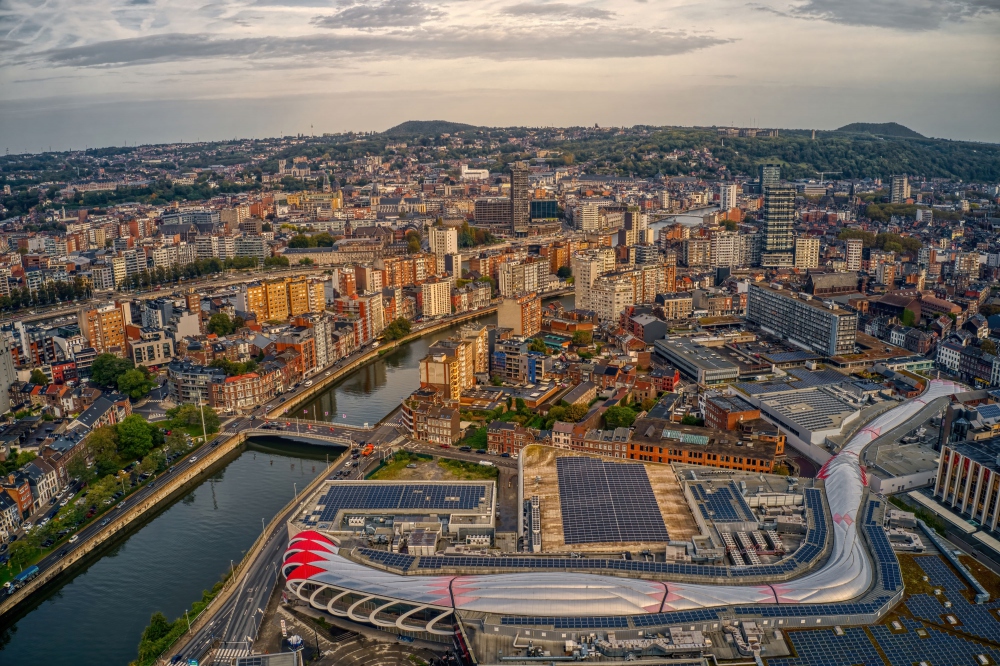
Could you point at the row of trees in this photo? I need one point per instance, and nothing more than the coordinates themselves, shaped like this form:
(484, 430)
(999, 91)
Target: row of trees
(196, 269)
(47, 294)
(884, 241)
(322, 239)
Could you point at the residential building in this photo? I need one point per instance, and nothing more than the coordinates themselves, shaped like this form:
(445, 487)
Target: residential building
(807, 252)
(520, 195)
(779, 223)
(435, 298)
(443, 241)
(819, 325)
(522, 314)
(899, 189)
(855, 246)
(103, 327)
(610, 296)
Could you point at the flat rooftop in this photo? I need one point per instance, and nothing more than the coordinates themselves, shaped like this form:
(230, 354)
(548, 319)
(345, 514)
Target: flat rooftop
(328, 506)
(604, 493)
(905, 459)
(803, 297)
(811, 408)
(707, 358)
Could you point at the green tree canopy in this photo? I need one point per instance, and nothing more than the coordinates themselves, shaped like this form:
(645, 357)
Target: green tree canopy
(107, 368)
(583, 338)
(398, 328)
(619, 417)
(134, 437)
(988, 346)
(39, 377)
(276, 261)
(102, 448)
(136, 383)
(220, 324)
(564, 272)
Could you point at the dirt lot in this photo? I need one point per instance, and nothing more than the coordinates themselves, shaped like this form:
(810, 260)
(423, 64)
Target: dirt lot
(540, 478)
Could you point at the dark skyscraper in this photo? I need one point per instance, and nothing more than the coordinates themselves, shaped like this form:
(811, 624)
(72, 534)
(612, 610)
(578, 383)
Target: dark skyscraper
(779, 225)
(768, 175)
(520, 199)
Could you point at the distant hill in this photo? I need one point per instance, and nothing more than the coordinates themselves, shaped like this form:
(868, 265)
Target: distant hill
(882, 129)
(426, 127)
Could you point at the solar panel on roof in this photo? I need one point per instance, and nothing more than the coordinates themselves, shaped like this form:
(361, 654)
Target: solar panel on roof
(605, 502)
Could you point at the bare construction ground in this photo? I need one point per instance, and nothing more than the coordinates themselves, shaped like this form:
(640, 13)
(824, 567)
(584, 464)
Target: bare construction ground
(540, 478)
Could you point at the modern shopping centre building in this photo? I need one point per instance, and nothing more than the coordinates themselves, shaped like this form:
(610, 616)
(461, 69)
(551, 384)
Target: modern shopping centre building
(609, 556)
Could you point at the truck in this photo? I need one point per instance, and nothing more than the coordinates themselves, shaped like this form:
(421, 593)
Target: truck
(21, 579)
(367, 451)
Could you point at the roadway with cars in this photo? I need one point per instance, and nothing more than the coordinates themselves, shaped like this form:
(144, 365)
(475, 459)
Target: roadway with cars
(237, 621)
(106, 520)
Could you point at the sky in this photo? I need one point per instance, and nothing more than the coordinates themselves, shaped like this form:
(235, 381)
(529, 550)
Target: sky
(86, 73)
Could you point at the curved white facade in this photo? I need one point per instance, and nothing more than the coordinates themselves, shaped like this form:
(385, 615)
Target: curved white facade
(847, 574)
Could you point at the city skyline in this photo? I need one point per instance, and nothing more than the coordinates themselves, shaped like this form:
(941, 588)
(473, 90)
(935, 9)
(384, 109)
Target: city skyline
(146, 72)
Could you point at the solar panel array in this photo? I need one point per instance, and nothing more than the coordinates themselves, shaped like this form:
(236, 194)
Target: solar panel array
(400, 561)
(825, 648)
(991, 411)
(409, 497)
(807, 378)
(888, 565)
(723, 505)
(610, 622)
(976, 619)
(565, 563)
(604, 502)
(813, 410)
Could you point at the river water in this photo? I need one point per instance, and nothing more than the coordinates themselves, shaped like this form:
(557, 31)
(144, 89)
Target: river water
(96, 618)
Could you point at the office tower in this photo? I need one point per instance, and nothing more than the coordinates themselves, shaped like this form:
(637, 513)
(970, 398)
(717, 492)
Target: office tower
(768, 175)
(443, 241)
(899, 189)
(807, 253)
(854, 248)
(821, 326)
(727, 197)
(779, 220)
(520, 195)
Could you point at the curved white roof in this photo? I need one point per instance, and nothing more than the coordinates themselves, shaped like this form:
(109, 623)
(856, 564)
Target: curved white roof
(846, 575)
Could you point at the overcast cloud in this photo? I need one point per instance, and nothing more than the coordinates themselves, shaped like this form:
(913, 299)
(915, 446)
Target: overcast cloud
(800, 63)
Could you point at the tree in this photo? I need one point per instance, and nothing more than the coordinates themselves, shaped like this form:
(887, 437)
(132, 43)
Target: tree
(398, 328)
(538, 345)
(564, 272)
(305, 261)
(39, 377)
(619, 417)
(220, 324)
(107, 368)
(102, 448)
(575, 412)
(582, 338)
(648, 404)
(276, 261)
(77, 469)
(134, 437)
(908, 318)
(153, 462)
(988, 346)
(692, 420)
(299, 241)
(136, 383)
(176, 442)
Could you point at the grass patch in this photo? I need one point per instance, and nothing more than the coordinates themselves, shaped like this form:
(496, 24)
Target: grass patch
(417, 661)
(985, 576)
(392, 468)
(913, 576)
(468, 471)
(933, 521)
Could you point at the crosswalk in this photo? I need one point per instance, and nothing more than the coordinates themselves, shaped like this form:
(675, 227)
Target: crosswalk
(225, 656)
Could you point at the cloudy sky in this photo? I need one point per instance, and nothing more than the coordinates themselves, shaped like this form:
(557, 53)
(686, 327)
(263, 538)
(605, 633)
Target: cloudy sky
(78, 73)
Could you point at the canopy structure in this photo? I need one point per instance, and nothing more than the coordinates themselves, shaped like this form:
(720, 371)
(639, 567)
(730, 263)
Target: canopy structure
(313, 564)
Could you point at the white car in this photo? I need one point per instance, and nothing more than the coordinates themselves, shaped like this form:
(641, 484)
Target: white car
(193, 458)
(74, 538)
(27, 526)
(64, 502)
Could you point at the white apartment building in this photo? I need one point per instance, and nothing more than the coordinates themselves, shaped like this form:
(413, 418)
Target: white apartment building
(854, 247)
(443, 241)
(609, 296)
(949, 357)
(436, 297)
(519, 278)
(727, 197)
(587, 267)
(725, 249)
(807, 252)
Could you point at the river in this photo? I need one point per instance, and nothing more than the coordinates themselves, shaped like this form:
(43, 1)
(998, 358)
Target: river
(96, 617)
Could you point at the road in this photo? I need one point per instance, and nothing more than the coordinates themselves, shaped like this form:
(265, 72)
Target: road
(236, 621)
(98, 525)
